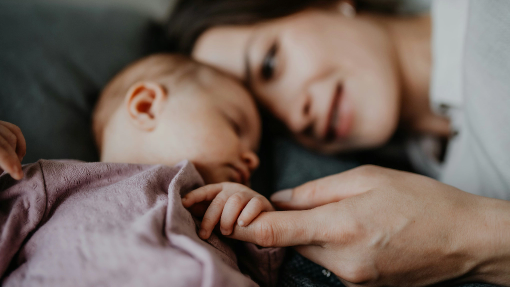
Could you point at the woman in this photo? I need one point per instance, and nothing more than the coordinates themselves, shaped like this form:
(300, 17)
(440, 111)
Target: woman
(340, 81)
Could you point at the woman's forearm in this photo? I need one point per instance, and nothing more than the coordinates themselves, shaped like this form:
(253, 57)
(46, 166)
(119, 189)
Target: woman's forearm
(492, 243)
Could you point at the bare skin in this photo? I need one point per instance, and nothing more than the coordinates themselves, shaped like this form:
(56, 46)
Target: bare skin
(370, 226)
(412, 43)
(338, 83)
(12, 149)
(229, 204)
(373, 226)
(208, 119)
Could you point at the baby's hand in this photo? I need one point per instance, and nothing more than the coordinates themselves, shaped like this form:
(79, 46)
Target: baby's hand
(231, 202)
(12, 149)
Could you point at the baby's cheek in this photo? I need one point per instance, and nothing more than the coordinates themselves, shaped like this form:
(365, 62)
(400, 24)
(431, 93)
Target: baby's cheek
(206, 172)
(215, 154)
(211, 172)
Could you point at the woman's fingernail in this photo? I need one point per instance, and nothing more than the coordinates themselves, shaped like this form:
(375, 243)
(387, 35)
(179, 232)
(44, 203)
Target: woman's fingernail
(241, 223)
(282, 196)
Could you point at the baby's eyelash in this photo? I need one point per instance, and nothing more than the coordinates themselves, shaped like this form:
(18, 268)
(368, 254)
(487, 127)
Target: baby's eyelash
(235, 126)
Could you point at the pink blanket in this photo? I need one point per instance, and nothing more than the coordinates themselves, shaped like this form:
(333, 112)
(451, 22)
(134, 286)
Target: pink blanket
(71, 223)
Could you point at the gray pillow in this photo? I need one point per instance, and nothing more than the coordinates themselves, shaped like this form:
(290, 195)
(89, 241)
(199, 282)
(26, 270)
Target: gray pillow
(54, 60)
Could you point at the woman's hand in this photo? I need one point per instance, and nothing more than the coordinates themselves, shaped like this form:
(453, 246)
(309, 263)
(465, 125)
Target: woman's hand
(12, 149)
(376, 226)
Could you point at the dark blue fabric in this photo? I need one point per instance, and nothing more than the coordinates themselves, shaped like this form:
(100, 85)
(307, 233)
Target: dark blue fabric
(299, 271)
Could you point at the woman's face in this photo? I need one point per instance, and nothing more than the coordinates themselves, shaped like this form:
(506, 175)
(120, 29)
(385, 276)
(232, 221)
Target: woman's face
(331, 79)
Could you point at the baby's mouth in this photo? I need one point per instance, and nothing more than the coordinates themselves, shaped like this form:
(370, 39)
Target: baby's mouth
(240, 175)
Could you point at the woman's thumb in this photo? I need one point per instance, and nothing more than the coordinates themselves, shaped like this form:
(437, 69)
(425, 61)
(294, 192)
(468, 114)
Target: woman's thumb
(318, 192)
(306, 196)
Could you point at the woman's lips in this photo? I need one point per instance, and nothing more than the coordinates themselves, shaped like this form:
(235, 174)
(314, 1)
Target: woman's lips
(346, 118)
(340, 117)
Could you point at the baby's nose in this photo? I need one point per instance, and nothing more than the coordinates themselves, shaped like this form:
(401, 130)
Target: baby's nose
(250, 159)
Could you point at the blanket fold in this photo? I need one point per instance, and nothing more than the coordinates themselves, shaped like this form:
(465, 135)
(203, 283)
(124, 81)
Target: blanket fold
(70, 223)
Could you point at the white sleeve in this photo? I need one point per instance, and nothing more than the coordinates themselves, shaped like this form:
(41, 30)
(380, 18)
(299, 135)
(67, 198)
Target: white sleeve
(471, 85)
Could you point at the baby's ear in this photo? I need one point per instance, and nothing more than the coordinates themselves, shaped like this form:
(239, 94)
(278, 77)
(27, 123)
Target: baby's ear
(145, 102)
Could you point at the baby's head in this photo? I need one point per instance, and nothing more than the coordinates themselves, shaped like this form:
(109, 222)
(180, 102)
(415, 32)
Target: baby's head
(166, 108)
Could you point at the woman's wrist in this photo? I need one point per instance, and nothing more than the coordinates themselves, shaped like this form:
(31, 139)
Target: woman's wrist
(490, 244)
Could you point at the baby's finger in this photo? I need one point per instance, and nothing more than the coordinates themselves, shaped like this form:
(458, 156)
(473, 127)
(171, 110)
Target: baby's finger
(212, 216)
(253, 209)
(8, 136)
(204, 193)
(20, 143)
(9, 160)
(231, 211)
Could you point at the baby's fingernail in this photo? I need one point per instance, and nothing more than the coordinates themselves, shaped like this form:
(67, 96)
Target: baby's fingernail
(224, 231)
(202, 233)
(241, 223)
(183, 199)
(282, 196)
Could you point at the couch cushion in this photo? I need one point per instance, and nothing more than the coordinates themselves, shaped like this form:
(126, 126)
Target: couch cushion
(54, 60)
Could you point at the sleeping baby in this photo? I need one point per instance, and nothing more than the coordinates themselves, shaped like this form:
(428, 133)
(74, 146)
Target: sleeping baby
(165, 126)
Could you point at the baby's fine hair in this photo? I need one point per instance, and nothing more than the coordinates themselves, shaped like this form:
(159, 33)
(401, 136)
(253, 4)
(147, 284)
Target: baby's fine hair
(156, 67)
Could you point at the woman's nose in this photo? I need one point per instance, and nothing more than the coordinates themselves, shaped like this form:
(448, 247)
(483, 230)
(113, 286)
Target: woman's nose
(301, 117)
(321, 93)
(250, 159)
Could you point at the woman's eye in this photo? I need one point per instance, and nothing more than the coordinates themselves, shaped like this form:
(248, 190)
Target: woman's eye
(269, 63)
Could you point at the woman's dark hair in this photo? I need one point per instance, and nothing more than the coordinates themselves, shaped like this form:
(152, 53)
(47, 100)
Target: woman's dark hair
(190, 18)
